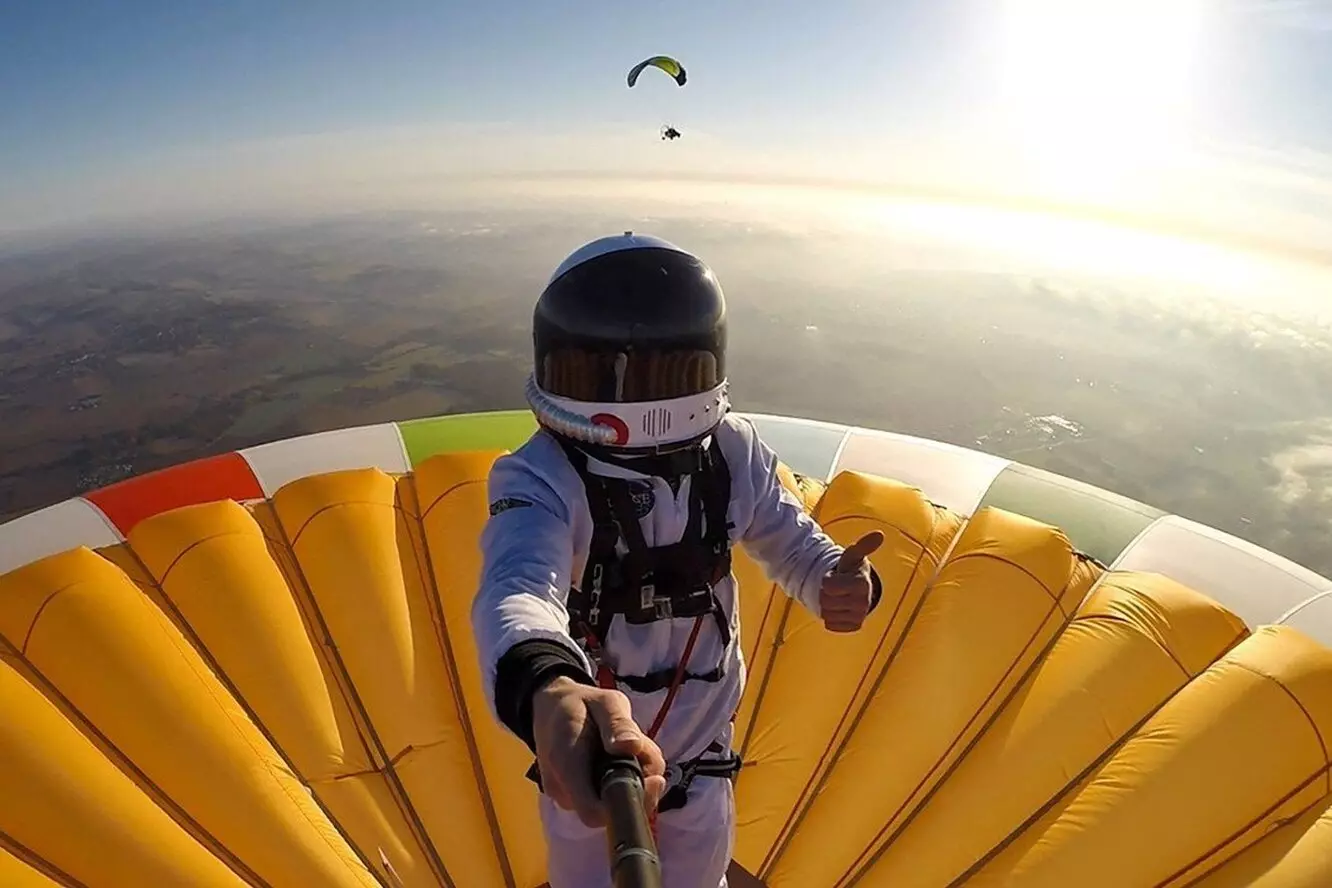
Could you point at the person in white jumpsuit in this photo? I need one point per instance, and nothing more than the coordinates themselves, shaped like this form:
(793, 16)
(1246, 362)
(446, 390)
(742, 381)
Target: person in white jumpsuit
(536, 542)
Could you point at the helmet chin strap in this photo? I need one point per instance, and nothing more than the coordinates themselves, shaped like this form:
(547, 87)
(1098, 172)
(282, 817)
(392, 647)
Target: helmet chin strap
(668, 461)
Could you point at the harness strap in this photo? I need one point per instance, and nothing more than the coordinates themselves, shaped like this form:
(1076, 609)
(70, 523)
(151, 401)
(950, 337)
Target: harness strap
(716, 499)
(663, 678)
(660, 678)
(625, 516)
(680, 777)
(605, 676)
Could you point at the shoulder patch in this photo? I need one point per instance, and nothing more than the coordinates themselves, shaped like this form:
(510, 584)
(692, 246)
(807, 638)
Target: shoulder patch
(504, 504)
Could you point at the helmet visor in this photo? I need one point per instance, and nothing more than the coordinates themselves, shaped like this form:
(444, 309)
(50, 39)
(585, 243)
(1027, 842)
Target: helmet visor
(606, 377)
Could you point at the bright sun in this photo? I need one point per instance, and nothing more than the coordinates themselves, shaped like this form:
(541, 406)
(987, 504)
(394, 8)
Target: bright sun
(1095, 91)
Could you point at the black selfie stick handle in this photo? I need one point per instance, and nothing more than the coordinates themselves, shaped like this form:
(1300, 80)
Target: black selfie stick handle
(632, 848)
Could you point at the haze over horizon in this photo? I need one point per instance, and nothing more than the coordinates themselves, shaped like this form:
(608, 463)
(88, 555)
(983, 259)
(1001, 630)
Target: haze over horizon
(988, 224)
(1200, 118)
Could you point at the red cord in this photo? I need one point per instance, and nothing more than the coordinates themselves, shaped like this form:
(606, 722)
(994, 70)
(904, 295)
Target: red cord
(676, 681)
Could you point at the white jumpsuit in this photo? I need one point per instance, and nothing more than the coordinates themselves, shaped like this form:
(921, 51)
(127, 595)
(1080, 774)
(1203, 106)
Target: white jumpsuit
(535, 544)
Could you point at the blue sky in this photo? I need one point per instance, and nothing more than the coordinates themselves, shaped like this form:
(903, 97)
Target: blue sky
(93, 78)
(95, 95)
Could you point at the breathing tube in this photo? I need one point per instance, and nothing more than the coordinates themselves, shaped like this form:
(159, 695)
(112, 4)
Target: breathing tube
(564, 421)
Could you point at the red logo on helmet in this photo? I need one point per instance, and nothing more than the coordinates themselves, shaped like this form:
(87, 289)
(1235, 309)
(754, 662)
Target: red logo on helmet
(612, 421)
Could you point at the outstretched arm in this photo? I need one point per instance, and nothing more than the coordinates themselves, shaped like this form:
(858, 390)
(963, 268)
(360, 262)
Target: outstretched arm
(785, 539)
(519, 615)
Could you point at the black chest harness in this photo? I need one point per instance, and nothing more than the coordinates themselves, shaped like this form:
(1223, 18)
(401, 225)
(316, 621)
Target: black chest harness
(647, 584)
(651, 583)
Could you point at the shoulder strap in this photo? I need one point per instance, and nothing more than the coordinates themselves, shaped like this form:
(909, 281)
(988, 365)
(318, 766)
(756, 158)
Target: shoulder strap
(586, 613)
(715, 494)
(712, 500)
(598, 501)
(625, 515)
(610, 504)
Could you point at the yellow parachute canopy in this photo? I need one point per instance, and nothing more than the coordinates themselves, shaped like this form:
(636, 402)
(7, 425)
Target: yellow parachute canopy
(666, 63)
(258, 670)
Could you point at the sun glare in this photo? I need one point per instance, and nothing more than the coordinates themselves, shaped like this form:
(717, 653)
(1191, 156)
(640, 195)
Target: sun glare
(1093, 92)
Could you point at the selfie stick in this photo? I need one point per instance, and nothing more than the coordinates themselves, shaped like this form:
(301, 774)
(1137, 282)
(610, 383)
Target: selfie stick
(633, 850)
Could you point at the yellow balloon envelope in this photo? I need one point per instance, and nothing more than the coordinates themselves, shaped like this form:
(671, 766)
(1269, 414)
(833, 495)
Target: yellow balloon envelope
(258, 670)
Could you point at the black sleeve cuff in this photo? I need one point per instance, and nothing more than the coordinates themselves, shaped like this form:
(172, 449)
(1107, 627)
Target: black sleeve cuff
(877, 593)
(523, 670)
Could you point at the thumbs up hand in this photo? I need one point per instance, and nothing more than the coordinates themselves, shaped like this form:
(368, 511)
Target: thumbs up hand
(844, 600)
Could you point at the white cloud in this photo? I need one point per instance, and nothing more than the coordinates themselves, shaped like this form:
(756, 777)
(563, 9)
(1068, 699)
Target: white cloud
(1279, 198)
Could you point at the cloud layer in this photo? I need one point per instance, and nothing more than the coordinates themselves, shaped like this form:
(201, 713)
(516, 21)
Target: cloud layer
(1271, 199)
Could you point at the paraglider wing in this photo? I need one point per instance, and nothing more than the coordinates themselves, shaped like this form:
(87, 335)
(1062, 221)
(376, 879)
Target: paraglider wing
(665, 63)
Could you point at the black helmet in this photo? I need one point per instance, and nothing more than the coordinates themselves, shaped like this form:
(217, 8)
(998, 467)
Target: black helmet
(630, 345)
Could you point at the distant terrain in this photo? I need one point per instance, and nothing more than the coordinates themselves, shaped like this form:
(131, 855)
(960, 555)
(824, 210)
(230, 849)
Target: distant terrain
(123, 355)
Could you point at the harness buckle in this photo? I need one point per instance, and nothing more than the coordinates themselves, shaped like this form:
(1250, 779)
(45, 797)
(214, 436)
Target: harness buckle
(680, 776)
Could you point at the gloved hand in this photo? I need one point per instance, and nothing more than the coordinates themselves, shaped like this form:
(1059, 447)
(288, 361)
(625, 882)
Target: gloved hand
(568, 721)
(844, 599)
